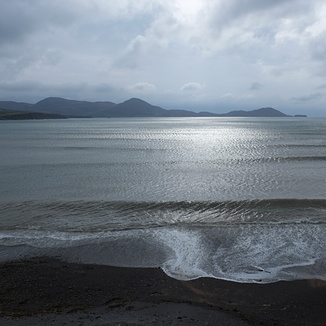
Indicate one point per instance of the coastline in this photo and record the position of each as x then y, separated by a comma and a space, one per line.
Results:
49, 291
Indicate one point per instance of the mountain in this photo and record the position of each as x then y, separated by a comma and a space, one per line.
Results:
18, 115
133, 107
263, 112
16, 106
136, 107
72, 107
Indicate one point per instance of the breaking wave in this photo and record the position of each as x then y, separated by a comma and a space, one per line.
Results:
244, 241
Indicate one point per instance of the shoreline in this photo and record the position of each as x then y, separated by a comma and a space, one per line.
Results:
49, 291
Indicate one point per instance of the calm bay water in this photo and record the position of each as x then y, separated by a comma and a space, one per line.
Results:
232, 198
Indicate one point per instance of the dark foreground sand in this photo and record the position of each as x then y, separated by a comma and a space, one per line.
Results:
43, 291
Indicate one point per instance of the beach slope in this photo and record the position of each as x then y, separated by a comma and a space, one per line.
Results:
46, 291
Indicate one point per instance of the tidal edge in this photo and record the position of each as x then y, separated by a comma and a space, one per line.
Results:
50, 291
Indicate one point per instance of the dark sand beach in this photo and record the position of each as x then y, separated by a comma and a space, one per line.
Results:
43, 291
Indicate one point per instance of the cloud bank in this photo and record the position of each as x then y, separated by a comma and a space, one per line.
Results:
173, 53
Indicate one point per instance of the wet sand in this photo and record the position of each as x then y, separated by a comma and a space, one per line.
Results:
45, 291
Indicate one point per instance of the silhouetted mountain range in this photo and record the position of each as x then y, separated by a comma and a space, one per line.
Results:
133, 107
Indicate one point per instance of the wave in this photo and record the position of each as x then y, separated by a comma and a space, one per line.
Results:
281, 159
243, 253
245, 241
117, 215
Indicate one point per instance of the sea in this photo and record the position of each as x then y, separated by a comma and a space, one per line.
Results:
239, 199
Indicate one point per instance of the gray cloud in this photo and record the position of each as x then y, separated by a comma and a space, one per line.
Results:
226, 13
307, 98
129, 56
25, 86
10, 29
34, 91
318, 52
20, 19
109, 50
256, 86
143, 87
191, 87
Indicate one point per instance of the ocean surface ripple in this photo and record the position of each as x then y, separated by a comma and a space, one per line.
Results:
228, 198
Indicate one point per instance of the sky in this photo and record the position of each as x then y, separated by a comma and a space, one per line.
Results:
200, 55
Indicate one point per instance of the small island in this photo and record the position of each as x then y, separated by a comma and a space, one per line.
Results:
18, 115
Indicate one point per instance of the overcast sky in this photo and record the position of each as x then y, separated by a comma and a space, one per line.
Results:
214, 55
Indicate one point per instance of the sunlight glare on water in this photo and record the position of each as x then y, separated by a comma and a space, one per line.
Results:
231, 198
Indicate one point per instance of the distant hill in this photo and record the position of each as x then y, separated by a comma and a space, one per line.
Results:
72, 107
16, 106
133, 107
18, 115
138, 108
263, 112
